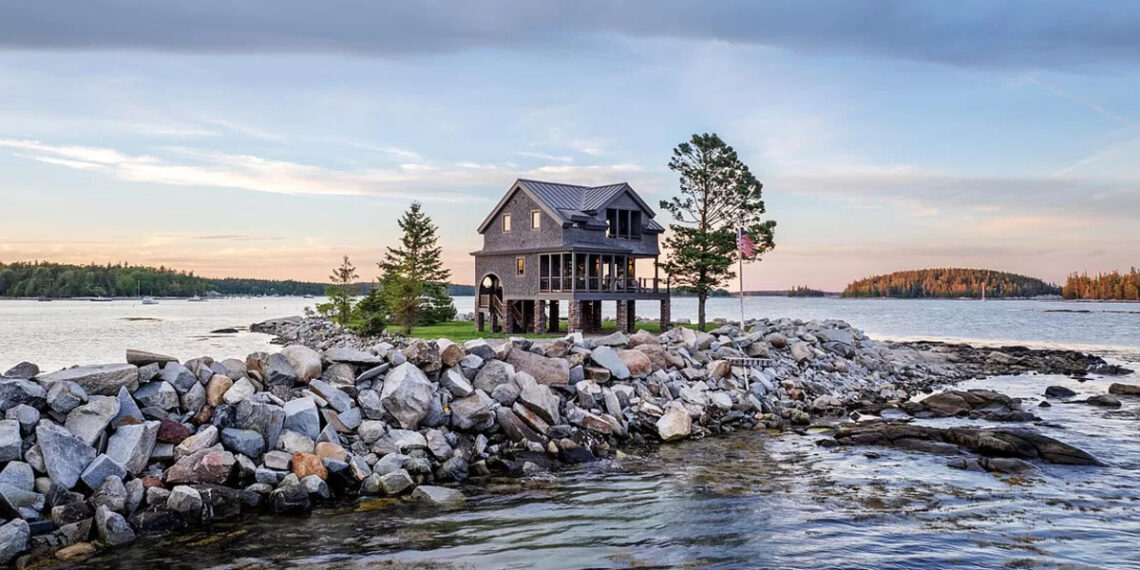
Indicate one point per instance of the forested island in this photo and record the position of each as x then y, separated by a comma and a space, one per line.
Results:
950, 283
805, 291
1113, 286
57, 280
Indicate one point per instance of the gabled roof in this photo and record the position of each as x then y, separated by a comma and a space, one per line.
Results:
569, 203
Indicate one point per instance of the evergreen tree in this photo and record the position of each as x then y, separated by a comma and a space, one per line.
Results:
413, 280
340, 294
717, 193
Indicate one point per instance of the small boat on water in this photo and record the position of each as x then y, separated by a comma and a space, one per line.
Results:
102, 299
308, 297
149, 301
197, 299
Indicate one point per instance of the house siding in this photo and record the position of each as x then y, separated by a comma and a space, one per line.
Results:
521, 236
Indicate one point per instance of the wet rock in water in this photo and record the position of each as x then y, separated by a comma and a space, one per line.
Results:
1124, 389
1017, 443
407, 395
112, 528
984, 404
396, 482
675, 423
14, 537
1110, 370
304, 361
100, 379
290, 500
186, 501
1059, 392
441, 497
1104, 401
65, 456
992, 464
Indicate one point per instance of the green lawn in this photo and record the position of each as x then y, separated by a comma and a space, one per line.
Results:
465, 330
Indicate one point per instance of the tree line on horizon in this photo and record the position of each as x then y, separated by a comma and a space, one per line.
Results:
950, 283
1115, 286
61, 280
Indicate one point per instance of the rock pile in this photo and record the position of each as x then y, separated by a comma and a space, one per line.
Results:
107, 452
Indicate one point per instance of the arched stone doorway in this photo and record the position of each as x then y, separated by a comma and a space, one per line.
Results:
490, 303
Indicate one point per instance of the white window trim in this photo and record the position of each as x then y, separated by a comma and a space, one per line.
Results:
533, 225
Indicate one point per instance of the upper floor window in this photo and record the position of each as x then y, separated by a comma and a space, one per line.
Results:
520, 265
625, 224
535, 219
506, 222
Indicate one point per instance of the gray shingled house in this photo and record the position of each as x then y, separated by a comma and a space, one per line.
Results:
546, 244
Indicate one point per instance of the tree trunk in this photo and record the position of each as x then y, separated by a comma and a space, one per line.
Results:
701, 297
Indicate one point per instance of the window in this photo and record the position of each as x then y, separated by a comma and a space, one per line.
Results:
623, 224
506, 222
520, 265
535, 219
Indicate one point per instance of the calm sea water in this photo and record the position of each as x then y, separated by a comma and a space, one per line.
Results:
750, 500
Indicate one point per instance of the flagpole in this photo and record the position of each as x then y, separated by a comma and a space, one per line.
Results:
740, 269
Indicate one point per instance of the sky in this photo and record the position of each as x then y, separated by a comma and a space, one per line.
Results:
267, 138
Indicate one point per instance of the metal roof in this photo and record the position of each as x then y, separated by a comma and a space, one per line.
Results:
574, 203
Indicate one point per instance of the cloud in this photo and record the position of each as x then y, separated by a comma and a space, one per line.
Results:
449, 182
1012, 33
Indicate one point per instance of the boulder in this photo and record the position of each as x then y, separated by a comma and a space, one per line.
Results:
396, 482
636, 361
440, 497
216, 388
1059, 392
186, 501
207, 437
336, 397
89, 420
455, 382
100, 469
306, 464
407, 395
278, 370
244, 441
304, 361
802, 352
240, 390
129, 412
301, 416
64, 396
515, 429
473, 413
170, 431
112, 528
142, 357
351, 356
293, 442
212, 465
14, 537
548, 371
493, 373
1104, 401
543, 402
1124, 389
424, 355
22, 371
11, 443
19, 475
178, 376
675, 423
158, 394
16, 392
131, 445
608, 358
65, 456
266, 419
100, 379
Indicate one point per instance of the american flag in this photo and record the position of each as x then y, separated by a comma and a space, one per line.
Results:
744, 243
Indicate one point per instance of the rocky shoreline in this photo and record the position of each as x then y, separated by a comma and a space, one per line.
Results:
97, 455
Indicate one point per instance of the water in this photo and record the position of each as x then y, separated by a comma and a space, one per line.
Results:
748, 500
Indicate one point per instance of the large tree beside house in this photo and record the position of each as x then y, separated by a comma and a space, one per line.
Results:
717, 194
413, 281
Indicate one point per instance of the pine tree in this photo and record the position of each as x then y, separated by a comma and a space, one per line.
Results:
340, 294
413, 280
717, 193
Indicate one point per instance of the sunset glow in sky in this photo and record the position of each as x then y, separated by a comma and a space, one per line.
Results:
267, 139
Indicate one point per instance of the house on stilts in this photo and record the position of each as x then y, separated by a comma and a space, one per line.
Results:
549, 245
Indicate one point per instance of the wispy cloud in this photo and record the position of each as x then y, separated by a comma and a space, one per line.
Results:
191, 167
545, 156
